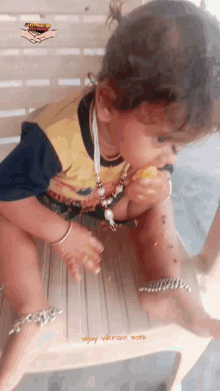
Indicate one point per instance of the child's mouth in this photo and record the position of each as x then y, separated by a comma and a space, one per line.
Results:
167, 167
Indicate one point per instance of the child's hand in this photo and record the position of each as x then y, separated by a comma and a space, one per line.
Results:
80, 247
150, 190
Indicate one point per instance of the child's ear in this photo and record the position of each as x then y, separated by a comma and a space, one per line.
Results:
104, 97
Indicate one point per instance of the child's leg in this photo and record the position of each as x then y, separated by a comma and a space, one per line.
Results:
157, 226
19, 271
19, 268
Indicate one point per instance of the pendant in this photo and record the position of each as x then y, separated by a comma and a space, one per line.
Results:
108, 214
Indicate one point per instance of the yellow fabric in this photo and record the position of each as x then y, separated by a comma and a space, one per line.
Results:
60, 123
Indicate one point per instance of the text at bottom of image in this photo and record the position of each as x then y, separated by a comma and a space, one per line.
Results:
114, 338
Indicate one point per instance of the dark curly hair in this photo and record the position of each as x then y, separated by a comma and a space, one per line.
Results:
165, 52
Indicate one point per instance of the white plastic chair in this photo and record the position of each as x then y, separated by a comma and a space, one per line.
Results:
32, 75
108, 304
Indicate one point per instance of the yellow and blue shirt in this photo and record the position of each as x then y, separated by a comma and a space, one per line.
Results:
55, 156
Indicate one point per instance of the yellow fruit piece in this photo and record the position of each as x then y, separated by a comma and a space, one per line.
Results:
149, 172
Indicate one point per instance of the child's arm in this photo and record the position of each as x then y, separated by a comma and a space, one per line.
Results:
34, 218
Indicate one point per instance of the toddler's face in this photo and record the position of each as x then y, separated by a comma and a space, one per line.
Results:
144, 141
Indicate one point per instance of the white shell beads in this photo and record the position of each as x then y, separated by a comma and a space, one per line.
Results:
108, 214
101, 191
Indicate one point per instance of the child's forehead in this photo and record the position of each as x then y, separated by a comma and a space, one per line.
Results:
168, 120
174, 113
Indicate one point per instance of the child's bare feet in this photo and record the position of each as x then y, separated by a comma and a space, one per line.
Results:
181, 307
21, 349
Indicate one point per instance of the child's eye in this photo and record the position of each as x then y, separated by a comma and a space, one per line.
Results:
175, 151
161, 139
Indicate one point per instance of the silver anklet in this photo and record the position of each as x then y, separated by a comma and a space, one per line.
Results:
42, 318
163, 284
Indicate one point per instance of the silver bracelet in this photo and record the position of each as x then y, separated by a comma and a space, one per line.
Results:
65, 236
42, 318
163, 284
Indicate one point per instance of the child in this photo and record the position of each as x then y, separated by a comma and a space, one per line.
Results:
156, 92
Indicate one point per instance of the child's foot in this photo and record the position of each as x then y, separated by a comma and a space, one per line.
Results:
181, 307
21, 349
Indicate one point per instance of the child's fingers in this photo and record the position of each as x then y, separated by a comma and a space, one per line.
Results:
92, 254
138, 191
96, 244
88, 260
89, 264
73, 267
145, 186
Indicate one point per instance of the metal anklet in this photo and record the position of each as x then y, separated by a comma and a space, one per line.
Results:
163, 284
42, 318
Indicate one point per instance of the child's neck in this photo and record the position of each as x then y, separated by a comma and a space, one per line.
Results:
107, 150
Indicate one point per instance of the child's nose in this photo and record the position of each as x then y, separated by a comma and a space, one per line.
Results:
170, 156
172, 159
166, 159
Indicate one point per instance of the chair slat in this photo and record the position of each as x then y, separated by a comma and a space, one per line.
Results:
31, 97
95, 292
5, 150
43, 67
56, 291
93, 305
11, 127
116, 305
74, 313
74, 303
56, 294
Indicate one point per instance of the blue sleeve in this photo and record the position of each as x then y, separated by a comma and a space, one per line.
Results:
27, 170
